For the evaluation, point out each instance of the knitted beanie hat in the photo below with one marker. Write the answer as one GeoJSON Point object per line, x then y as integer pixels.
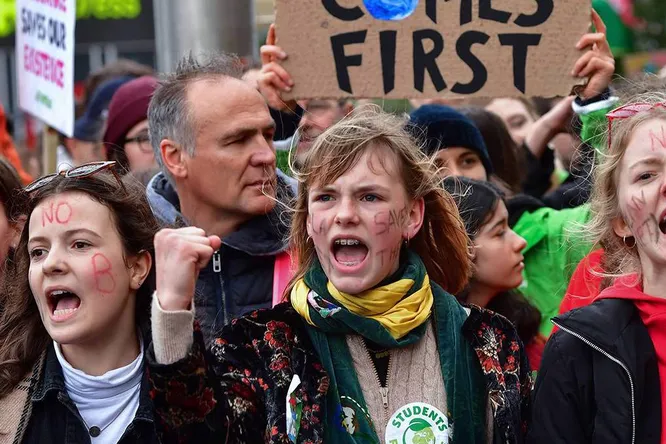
{"type": "Point", "coordinates": [439, 127]}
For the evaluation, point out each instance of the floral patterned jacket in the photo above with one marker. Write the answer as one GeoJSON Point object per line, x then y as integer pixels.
{"type": "Point", "coordinates": [236, 391]}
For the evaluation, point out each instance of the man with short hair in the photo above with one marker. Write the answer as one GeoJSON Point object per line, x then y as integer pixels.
{"type": "Point", "coordinates": [212, 136]}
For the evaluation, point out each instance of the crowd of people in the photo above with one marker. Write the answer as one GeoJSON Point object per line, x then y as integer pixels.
{"type": "Point", "coordinates": [212, 263]}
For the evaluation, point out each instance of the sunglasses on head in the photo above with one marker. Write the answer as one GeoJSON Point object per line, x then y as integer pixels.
{"type": "Point", "coordinates": [630, 110]}
{"type": "Point", "coordinates": [79, 172]}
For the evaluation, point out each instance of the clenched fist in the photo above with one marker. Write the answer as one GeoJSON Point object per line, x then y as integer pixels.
{"type": "Point", "coordinates": [179, 256]}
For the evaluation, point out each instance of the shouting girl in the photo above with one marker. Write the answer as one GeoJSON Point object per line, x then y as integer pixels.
{"type": "Point", "coordinates": [603, 375]}
{"type": "Point", "coordinates": [371, 346]}
{"type": "Point", "coordinates": [77, 306]}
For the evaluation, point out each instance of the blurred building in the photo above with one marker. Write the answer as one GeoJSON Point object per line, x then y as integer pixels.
{"type": "Point", "coordinates": [100, 41]}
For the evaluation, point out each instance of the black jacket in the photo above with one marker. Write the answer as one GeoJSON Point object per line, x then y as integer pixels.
{"type": "Point", "coordinates": [55, 419]}
{"type": "Point", "coordinates": [576, 189]}
{"type": "Point", "coordinates": [239, 278]}
{"type": "Point", "coordinates": [599, 380]}
{"type": "Point", "coordinates": [539, 172]}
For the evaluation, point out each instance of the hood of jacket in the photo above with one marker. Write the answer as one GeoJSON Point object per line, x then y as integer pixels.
{"type": "Point", "coordinates": [264, 235]}
{"type": "Point", "coordinates": [652, 309]}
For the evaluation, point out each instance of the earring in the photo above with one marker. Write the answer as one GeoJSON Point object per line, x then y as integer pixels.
{"type": "Point", "coordinates": [624, 240]}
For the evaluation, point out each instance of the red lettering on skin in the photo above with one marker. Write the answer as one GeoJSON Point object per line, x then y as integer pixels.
{"type": "Point", "coordinates": [637, 203]}
{"type": "Point", "coordinates": [654, 139]}
{"type": "Point", "coordinates": [104, 280]}
{"type": "Point", "coordinates": [60, 213]}
{"type": "Point", "coordinates": [382, 221]}
{"type": "Point", "coordinates": [386, 221]}
{"type": "Point", "coordinates": [322, 228]}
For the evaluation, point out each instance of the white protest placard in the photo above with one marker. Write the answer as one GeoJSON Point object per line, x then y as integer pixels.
{"type": "Point", "coordinates": [430, 48]}
{"type": "Point", "coordinates": [45, 60]}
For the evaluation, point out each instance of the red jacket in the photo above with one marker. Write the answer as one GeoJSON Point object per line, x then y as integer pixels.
{"type": "Point", "coordinates": [584, 285]}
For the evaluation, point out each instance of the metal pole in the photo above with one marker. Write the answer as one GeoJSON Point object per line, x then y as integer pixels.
{"type": "Point", "coordinates": [203, 26]}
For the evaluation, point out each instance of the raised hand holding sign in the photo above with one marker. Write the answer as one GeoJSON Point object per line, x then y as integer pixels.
{"type": "Point", "coordinates": [430, 48]}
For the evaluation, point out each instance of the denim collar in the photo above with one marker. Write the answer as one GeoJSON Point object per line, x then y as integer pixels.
{"type": "Point", "coordinates": [53, 381]}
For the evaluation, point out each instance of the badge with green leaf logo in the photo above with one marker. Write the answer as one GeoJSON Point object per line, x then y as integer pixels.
{"type": "Point", "coordinates": [418, 423]}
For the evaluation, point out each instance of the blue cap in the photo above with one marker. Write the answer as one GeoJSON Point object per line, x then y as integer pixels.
{"type": "Point", "coordinates": [89, 126]}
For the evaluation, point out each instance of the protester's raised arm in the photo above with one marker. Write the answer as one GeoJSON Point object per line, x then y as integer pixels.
{"type": "Point", "coordinates": [549, 125]}
{"type": "Point", "coordinates": [274, 79]}
{"type": "Point", "coordinates": [194, 393]}
{"type": "Point", "coordinates": [597, 65]}
{"type": "Point", "coordinates": [179, 256]}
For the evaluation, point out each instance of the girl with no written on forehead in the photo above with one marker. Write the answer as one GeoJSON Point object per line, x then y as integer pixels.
{"type": "Point", "coordinates": [74, 328]}
{"type": "Point", "coordinates": [370, 345]}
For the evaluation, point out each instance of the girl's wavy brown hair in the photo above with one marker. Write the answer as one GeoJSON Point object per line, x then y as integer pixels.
{"type": "Point", "coordinates": [23, 337]}
{"type": "Point", "coordinates": [442, 242]}
{"type": "Point", "coordinates": [619, 259]}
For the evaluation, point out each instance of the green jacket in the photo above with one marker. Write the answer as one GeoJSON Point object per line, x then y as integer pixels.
{"type": "Point", "coordinates": [555, 246]}
{"type": "Point", "coordinates": [555, 239]}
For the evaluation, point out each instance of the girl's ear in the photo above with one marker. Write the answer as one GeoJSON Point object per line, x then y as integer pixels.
{"type": "Point", "coordinates": [16, 230]}
{"type": "Point", "coordinates": [472, 252]}
{"type": "Point", "coordinates": [415, 219]}
{"type": "Point", "coordinates": [139, 269]}
{"type": "Point", "coordinates": [620, 227]}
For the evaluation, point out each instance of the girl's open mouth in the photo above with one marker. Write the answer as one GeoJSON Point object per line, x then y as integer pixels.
{"type": "Point", "coordinates": [349, 252]}
{"type": "Point", "coordinates": [62, 304]}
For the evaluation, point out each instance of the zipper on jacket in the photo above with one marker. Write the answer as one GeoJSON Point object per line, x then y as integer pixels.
{"type": "Point", "coordinates": [217, 268]}
{"type": "Point", "coordinates": [383, 390]}
{"type": "Point", "coordinates": [217, 262]}
{"type": "Point", "coordinates": [618, 362]}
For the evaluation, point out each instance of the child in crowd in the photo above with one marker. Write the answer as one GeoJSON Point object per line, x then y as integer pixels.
{"type": "Point", "coordinates": [603, 375]}
{"type": "Point", "coordinates": [497, 260]}
{"type": "Point", "coordinates": [371, 345]}
{"type": "Point", "coordinates": [76, 312]}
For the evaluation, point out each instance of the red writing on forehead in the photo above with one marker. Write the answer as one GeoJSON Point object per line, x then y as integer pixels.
{"type": "Point", "coordinates": [59, 213]}
{"type": "Point", "coordinates": [104, 280]}
{"type": "Point", "coordinates": [658, 140]}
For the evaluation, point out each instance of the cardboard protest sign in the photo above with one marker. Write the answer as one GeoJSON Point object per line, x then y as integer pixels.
{"type": "Point", "coordinates": [45, 60]}
{"type": "Point", "coordinates": [431, 48]}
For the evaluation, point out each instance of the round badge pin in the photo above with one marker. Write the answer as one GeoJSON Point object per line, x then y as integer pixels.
{"type": "Point", "coordinates": [418, 423]}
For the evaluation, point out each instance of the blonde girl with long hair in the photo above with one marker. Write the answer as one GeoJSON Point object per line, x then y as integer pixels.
{"type": "Point", "coordinates": [602, 375]}
{"type": "Point", "coordinates": [370, 346]}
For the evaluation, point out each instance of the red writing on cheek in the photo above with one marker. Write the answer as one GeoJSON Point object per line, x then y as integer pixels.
{"type": "Point", "coordinates": [656, 141]}
{"type": "Point", "coordinates": [59, 213]}
{"type": "Point", "coordinates": [637, 203]}
{"type": "Point", "coordinates": [318, 226]}
{"type": "Point", "coordinates": [387, 220]}
{"type": "Point", "coordinates": [104, 280]}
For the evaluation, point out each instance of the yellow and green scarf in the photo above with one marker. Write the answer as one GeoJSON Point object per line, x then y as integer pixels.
{"type": "Point", "coordinates": [392, 315]}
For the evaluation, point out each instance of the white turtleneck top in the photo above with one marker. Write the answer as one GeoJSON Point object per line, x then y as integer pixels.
{"type": "Point", "coordinates": [107, 403]}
